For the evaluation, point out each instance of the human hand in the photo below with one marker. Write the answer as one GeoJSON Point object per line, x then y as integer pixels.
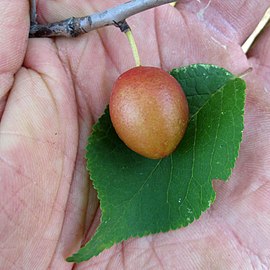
{"type": "Point", "coordinates": [61, 87]}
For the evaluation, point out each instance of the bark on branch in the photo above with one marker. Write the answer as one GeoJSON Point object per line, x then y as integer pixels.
{"type": "Point", "coordinates": [73, 27]}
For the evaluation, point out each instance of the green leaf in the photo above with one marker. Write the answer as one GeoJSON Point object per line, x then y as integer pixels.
{"type": "Point", "coordinates": [140, 196]}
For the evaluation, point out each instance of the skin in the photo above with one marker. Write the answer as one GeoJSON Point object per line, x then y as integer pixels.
{"type": "Point", "coordinates": [149, 111]}
{"type": "Point", "coordinates": [53, 90]}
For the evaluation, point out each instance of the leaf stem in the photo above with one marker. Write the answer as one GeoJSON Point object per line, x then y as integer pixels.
{"type": "Point", "coordinates": [245, 73]}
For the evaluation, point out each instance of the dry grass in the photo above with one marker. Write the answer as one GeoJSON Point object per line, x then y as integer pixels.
{"type": "Point", "coordinates": [261, 25]}
{"type": "Point", "coordinates": [173, 4]}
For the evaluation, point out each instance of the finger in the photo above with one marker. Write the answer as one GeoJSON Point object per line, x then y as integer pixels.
{"type": "Point", "coordinates": [250, 183]}
{"type": "Point", "coordinates": [38, 143]}
{"type": "Point", "coordinates": [162, 44]}
{"type": "Point", "coordinates": [14, 21]}
{"type": "Point", "coordinates": [251, 174]}
{"type": "Point", "coordinates": [236, 20]}
{"type": "Point", "coordinates": [52, 11]}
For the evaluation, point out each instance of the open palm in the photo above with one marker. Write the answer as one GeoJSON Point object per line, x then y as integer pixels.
{"type": "Point", "coordinates": [53, 90]}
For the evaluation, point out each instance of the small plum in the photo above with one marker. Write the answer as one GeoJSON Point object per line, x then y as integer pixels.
{"type": "Point", "coordinates": [149, 111]}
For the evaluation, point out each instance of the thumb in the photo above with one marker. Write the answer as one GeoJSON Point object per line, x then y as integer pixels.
{"type": "Point", "coordinates": [14, 21]}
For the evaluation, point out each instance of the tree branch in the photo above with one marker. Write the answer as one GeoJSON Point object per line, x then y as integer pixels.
{"type": "Point", "coordinates": [73, 27]}
{"type": "Point", "coordinates": [33, 12]}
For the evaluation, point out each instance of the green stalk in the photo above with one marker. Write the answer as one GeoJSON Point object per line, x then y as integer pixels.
{"type": "Point", "coordinates": [133, 46]}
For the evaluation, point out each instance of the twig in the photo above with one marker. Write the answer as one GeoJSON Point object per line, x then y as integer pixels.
{"type": "Point", "coordinates": [33, 13]}
{"type": "Point", "coordinates": [73, 27]}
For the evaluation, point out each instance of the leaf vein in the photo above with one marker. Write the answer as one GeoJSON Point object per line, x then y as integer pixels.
{"type": "Point", "coordinates": [144, 183]}
{"type": "Point", "coordinates": [215, 140]}
{"type": "Point", "coordinates": [193, 161]}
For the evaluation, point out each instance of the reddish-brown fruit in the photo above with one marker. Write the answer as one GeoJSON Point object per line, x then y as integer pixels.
{"type": "Point", "coordinates": [149, 111]}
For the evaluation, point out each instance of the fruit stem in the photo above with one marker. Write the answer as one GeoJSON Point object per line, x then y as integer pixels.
{"type": "Point", "coordinates": [133, 46]}
{"type": "Point", "coordinates": [125, 28]}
